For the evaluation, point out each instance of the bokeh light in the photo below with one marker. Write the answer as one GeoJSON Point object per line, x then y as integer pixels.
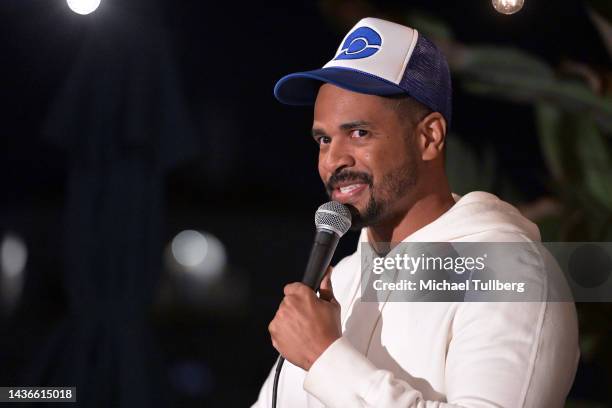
{"type": "Point", "coordinates": [198, 253]}
{"type": "Point", "coordinates": [508, 6]}
{"type": "Point", "coordinates": [13, 255]}
{"type": "Point", "coordinates": [13, 260]}
{"type": "Point", "coordinates": [83, 6]}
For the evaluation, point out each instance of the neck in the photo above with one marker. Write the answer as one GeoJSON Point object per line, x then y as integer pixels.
{"type": "Point", "coordinates": [426, 209]}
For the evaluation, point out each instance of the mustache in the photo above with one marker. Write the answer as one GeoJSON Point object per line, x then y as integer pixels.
{"type": "Point", "coordinates": [347, 175]}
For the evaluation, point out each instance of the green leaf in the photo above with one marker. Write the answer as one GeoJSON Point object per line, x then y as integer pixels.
{"type": "Point", "coordinates": [500, 64]}
{"type": "Point", "coordinates": [602, 19]}
{"type": "Point", "coordinates": [464, 169]}
{"type": "Point", "coordinates": [510, 74]}
{"type": "Point", "coordinates": [430, 26]}
{"type": "Point", "coordinates": [548, 120]}
{"type": "Point", "coordinates": [595, 160]}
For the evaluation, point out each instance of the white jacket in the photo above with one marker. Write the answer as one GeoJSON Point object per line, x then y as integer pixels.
{"type": "Point", "coordinates": [427, 354]}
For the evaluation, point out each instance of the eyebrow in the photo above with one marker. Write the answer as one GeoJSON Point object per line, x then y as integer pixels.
{"type": "Point", "coordinates": [345, 126]}
{"type": "Point", "coordinates": [318, 132]}
{"type": "Point", "coordinates": [356, 124]}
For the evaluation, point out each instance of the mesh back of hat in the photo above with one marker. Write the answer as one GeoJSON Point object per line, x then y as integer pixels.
{"type": "Point", "coordinates": [427, 78]}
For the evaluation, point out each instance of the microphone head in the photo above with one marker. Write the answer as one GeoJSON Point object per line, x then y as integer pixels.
{"type": "Point", "coordinates": [333, 216]}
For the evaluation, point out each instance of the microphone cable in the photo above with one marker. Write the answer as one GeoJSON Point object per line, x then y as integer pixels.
{"type": "Point", "coordinates": [279, 366]}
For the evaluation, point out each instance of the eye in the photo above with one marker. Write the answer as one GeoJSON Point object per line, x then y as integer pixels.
{"type": "Point", "coordinates": [323, 140]}
{"type": "Point", "coordinates": [359, 133]}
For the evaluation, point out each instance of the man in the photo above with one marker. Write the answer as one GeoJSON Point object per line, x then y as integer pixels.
{"type": "Point", "coordinates": [381, 114]}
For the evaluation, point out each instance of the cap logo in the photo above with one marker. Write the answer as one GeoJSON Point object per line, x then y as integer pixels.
{"type": "Point", "coordinates": [361, 43]}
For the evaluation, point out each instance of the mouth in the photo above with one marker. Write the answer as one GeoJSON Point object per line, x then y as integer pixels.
{"type": "Point", "coordinates": [348, 192]}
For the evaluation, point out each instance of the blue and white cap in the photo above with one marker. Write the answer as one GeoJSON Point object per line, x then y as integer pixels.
{"type": "Point", "coordinates": [382, 58]}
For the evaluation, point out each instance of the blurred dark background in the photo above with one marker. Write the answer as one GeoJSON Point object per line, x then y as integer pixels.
{"type": "Point", "coordinates": [156, 197]}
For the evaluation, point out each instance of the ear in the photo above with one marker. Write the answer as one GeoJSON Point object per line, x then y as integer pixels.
{"type": "Point", "coordinates": [431, 136]}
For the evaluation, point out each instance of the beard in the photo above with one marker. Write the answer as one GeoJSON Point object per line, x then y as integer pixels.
{"type": "Point", "coordinates": [393, 186]}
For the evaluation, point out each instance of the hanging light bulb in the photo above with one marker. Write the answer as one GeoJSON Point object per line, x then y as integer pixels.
{"type": "Point", "coordinates": [508, 6]}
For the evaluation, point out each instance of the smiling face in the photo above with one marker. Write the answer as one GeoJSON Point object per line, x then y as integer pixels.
{"type": "Point", "coordinates": [368, 158]}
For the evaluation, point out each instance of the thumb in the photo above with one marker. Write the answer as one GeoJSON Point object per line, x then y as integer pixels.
{"type": "Point", "coordinates": [326, 292]}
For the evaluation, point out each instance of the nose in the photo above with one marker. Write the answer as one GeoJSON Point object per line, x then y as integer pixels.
{"type": "Point", "coordinates": [337, 155]}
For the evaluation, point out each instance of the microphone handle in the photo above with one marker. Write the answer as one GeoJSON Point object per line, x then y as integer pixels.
{"type": "Point", "coordinates": [323, 247]}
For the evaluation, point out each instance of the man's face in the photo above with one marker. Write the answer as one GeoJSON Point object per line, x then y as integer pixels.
{"type": "Point", "coordinates": [366, 158]}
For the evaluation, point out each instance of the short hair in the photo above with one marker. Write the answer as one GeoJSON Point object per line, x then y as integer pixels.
{"type": "Point", "coordinates": [409, 110]}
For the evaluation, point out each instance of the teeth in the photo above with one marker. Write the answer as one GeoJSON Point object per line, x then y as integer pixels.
{"type": "Point", "coordinates": [348, 189]}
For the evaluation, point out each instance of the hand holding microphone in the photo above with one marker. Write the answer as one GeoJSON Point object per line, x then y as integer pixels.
{"type": "Point", "coordinates": [305, 325]}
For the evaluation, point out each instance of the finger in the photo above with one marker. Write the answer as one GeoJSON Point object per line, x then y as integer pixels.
{"type": "Point", "coordinates": [272, 328]}
{"type": "Point", "coordinates": [326, 281]}
{"type": "Point", "coordinates": [326, 291]}
{"type": "Point", "coordinates": [296, 288]}
{"type": "Point", "coordinates": [289, 301]}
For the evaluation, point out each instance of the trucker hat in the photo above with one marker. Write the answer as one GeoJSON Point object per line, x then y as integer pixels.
{"type": "Point", "coordinates": [382, 58]}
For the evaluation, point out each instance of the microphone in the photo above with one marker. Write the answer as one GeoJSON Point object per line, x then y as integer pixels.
{"type": "Point", "coordinates": [332, 221]}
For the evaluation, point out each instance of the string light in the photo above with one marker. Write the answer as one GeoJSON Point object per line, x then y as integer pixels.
{"type": "Point", "coordinates": [508, 6]}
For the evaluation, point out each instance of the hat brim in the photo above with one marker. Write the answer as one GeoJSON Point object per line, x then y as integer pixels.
{"type": "Point", "coordinates": [301, 88]}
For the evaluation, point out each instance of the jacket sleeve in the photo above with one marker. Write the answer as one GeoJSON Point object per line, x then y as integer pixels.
{"type": "Point", "coordinates": [500, 355]}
